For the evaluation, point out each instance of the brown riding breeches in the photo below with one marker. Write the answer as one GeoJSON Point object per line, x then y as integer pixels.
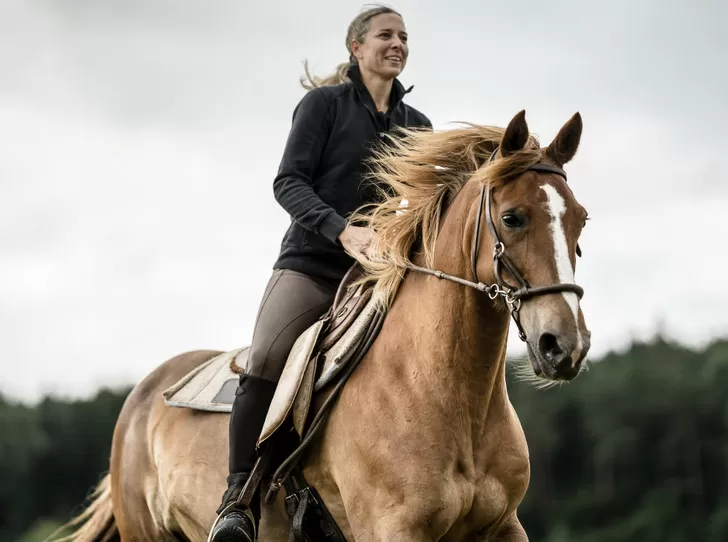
{"type": "Point", "coordinates": [292, 302]}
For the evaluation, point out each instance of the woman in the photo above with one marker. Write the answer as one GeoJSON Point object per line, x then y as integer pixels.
{"type": "Point", "coordinates": [319, 183]}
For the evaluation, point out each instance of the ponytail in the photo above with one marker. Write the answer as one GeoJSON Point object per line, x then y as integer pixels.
{"type": "Point", "coordinates": [310, 81]}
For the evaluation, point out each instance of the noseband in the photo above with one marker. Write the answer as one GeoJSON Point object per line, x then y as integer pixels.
{"type": "Point", "coordinates": [513, 296]}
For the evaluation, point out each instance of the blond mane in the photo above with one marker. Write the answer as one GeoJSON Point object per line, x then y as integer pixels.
{"type": "Point", "coordinates": [427, 169]}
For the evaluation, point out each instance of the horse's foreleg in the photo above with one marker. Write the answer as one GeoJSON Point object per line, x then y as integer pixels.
{"type": "Point", "coordinates": [393, 529]}
{"type": "Point", "coordinates": [394, 534]}
{"type": "Point", "coordinates": [511, 531]}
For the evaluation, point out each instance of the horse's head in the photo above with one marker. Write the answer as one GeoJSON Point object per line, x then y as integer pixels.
{"type": "Point", "coordinates": [516, 217]}
{"type": "Point", "coordinates": [526, 243]}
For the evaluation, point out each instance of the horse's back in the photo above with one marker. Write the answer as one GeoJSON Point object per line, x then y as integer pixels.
{"type": "Point", "coordinates": [153, 443]}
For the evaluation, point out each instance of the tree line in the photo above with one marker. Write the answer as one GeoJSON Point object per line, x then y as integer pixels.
{"type": "Point", "coordinates": [636, 449]}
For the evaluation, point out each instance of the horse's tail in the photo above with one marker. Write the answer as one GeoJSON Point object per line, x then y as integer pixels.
{"type": "Point", "coordinates": [96, 523]}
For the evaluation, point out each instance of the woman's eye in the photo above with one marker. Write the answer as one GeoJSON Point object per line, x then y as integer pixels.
{"type": "Point", "coordinates": [512, 220]}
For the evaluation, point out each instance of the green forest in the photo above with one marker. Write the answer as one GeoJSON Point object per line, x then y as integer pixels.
{"type": "Point", "coordinates": [635, 449]}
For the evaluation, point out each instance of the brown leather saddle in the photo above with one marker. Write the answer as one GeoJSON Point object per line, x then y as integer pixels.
{"type": "Point", "coordinates": [323, 354]}
{"type": "Point", "coordinates": [350, 300]}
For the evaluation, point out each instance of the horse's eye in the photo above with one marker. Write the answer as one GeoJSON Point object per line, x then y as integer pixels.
{"type": "Point", "coordinates": [512, 220]}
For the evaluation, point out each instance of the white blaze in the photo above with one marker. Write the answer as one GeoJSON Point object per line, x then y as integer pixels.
{"type": "Point", "coordinates": [557, 207]}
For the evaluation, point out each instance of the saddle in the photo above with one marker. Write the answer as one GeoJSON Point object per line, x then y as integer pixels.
{"type": "Point", "coordinates": [319, 355]}
{"type": "Point", "coordinates": [348, 303]}
{"type": "Point", "coordinates": [323, 351]}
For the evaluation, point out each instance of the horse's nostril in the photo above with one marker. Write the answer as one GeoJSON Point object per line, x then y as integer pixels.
{"type": "Point", "coordinates": [548, 346]}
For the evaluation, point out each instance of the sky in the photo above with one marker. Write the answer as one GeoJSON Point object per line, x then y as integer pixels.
{"type": "Point", "coordinates": [139, 140]}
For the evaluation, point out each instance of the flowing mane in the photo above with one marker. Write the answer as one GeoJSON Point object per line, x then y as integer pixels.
{"type": "Point", "coordinates": [419, 173]}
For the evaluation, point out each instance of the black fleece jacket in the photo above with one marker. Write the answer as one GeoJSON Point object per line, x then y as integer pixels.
{"type": "Point", "coordinates": [320, 178]}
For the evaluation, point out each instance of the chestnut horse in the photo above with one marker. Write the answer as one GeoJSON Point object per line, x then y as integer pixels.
{"type": "Point", "coordinates": [423, 443]}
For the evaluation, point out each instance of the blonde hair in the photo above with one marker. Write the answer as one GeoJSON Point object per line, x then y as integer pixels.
{"type": "Point", "coordinates": [357, 31]}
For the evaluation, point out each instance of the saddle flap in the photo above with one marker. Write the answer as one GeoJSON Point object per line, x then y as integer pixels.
{"type": "Point", "coordinates": [291, 379]}
{"type": "Point", "coordinates": [302, 402]}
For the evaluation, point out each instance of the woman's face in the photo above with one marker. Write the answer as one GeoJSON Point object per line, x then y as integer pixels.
{"type": "Point", "coordinates": [384, 50]}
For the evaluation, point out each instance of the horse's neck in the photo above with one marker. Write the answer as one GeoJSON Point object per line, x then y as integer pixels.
{"type": "Point", "coordinates": [457, 333]}
{"type": "Point", "coordinates": [460, 341]}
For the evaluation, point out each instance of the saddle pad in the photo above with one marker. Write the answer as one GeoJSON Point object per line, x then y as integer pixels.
{"type": "Point", "coordinates": [211, 386]}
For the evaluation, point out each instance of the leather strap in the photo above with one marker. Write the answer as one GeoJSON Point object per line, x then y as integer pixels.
{"type": "Point", "coordinates": [476, 237]}
{"type": "Point", "coordinates": [256, 475]}
{"type": "Point", "coordinates": [297, 534]}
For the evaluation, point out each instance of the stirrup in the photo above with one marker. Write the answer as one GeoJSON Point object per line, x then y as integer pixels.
{"type": "Point", "coordinates": [227, 509]}
{"type": "Point", "coordinates": [242, 502]}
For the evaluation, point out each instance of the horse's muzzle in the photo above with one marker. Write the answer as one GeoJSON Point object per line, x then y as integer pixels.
{"type": "Point", "coordinates": [558, 357]}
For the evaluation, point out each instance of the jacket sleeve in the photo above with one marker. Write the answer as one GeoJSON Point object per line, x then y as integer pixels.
{"type": "Point", "coordinates": [293, 186]}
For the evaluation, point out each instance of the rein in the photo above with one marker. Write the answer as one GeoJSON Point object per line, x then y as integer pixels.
{"type": "Point", "coordinates": [513, 296]}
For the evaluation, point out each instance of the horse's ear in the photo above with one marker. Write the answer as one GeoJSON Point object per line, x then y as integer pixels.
{"type": "Point", "coordinates": [563, 147]}
{"type": "Point", "coordinates": [516, 135]}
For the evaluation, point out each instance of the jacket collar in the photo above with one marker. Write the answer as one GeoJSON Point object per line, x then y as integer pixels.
{"type": "Point", "coordinates": [398, 90]}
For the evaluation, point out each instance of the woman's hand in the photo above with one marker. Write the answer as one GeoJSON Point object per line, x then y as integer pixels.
{"type": "Point", "coordinates": [358, 241]}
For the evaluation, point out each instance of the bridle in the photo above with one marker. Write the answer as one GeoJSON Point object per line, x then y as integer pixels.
{"type": "Point", "coordinates": [513, 296]}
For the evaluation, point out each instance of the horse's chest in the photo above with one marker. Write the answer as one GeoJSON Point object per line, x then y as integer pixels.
{"type": "Point", "coordinates": [500, 482]}
{"type": "Point", "coordinates": [494, 498]}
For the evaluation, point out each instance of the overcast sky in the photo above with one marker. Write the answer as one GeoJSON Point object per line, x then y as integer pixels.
{"type": "Point", "coordinates": [139, 140]}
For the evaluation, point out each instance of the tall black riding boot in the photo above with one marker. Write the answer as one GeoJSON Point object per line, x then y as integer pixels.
{"type": "Point", "coordinates": [250, 407]}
